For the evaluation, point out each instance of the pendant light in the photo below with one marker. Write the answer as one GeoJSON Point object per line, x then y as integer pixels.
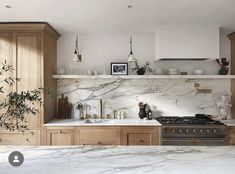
{"type": "Point", "coordinates": [77, 57]}
{"type": "Point", "coordinates": [131, 57]}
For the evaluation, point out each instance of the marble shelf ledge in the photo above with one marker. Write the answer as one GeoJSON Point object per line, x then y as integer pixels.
{"type": "Point", "coordinates": [144, 77]}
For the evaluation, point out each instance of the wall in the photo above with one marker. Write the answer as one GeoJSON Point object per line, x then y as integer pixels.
{"type": "Point", "coordinates": [166, 97]}
{"type": "Point", "coordinates": [98, 51]}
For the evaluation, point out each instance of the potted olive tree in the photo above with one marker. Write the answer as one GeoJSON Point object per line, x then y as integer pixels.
{"type": "Point", "coordinates": [15, 106]}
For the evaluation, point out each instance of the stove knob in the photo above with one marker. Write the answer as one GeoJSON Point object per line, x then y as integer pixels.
{"type": "Point", "coordinates": [173, 130]}
{"type": "Point", "coordinates": [200, 130]}
{"type": "Point", "coordinates": [187, 130]}
{"type": "Point", "coordinates": [214, 131]}
{"type": "Point", "coordinates": [194, 130]}
{"type": "Point", "coordinates": [180, 130]}
{"type": "Point", "coordinates": [208, 130]}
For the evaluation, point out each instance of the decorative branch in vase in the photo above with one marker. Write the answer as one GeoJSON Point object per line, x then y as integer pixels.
{"type": "Point", "coordinates": [14, 106]}
{"type": "Point", "coordinates": [223, 66]}
{"type": "Point", "coordinates": [142, 69]}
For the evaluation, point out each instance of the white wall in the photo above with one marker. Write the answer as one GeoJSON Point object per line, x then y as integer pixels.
{"type": "Point", "coordinates": [100, 50]}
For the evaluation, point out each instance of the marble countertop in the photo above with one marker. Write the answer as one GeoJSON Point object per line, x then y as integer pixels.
{"type": "Point", "coordinates": [228, 122]}
{"type": "Point", "coordinates": [121, 160]}
{"type": "Point", "coordinates": [103, 122]}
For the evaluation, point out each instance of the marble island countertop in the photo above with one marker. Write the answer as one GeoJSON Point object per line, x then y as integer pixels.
{"type": "Point", "coordinates": [103, 122]}
{"type": "Point", "coordinates": [123, 160]}
{"type": "Point", "coordinates": [228, 122]}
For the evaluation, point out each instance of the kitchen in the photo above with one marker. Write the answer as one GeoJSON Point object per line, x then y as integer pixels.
{"type": "Point", "coordinates": [113, 84]}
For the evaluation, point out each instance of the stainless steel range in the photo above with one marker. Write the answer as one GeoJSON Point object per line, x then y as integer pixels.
{"type": "Point", "coordinates": [198, 130]}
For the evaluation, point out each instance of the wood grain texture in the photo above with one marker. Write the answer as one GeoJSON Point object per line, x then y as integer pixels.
{"type": "Point", "coordinates": [98, 136]}
{"type": "Point", "coordinates": [140, 135]}
{"type": "Point", "coordinates": [28, 69]}
{"type": "Point", "coordinates": [230, 135]}
{"type": "Point", "coordinates": [232, 39]}
{"type": "Point", "coordinates": [59, 136]}
{"type": "Point", "coordinates": [18, 138]}
{"type": "Point", "coordinates": [31, 48]}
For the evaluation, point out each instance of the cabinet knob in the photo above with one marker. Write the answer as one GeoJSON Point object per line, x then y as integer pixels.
{"type": "Point", "coordinates": [140, 140]}
{"type": "Point", "coordinates": [60, 131]}
{"type": "Point", "coordinates": [0, 140]}
{"type": "Point", "coordinates": [27, 140]}
{"type": "Point", "coordinates": [100, 143]}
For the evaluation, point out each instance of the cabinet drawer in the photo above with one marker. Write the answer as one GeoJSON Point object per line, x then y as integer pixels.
{"type": "Point", "coordinates": [59, 136]}
{"type": "Point", "coordinates": [98, 136]}
{"type": "Point", "coordinates": [139, 139]}
{"type": "Point", "coordinates": [140, 135]}
{"type": "Point", "coordinates": [18, 138]}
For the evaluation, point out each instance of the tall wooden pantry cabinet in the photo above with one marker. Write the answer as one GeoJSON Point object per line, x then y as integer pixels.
{"type": "Point", "coordinates": [31, 49]}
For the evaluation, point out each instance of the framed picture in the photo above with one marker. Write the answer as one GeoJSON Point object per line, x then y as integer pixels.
{"type": "Point", "coordinates": [118, 68]}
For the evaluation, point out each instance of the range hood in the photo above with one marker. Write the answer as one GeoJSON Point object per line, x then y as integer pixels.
{"type": "Point", "coordinates": [185, 59]}
{"type": "Point", "coordinates": [187, 42]}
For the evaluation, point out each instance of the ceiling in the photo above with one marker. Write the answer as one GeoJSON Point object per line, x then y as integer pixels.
{"type": "Point", "coordinates": [113, 16]}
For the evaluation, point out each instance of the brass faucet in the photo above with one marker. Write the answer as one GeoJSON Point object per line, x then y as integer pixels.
{"type": "Point", "coordinates": [101, 108]}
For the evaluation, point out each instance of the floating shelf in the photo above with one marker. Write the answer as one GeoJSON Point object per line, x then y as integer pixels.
{"type": "Point", "coordinates": [144, 77]}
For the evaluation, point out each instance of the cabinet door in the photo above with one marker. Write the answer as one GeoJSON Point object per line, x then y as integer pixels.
{"type": "Point", "coordinates": [140, 136]}
{"type": "Point", "coordinates": [6, 54]}
{"type": "Point", "coordinates": [19, 138]}
{"type": "Point", "coordinates": [29, 68]}
{"type": "Point", "coordinates": [230, 135]}
{"type": "Point", "coordinates": [98, 136]}
{"type": "Point", "coordinates": [59, 136]}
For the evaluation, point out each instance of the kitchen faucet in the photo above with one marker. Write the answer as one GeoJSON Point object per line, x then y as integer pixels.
{"type": "Point", "coordinates": [101, 108]}
{"type": "Point", "coordinates": [86, 110]}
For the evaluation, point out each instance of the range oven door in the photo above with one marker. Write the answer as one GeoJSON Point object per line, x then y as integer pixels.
{"type": "Point", "coordinates": [193, 141]}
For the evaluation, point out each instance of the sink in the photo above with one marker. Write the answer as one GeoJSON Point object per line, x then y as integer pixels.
{"type": "Point", "coordinates": [97, 121]}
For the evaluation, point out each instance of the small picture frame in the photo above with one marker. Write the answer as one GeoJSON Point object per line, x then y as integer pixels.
{"type": "Point", "coordinates": [119, 68]}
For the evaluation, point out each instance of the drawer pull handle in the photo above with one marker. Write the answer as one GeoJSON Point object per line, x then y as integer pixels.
{"type": "Point", "coordinates": [141, 141]}
{"type": "Point", "coordinates": [100, 143]}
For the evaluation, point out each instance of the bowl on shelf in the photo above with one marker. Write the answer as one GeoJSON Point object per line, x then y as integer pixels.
{"type": "Point", "coordinates": [173, 72]}
{"type": "Point", "coordinates": [198, 72]}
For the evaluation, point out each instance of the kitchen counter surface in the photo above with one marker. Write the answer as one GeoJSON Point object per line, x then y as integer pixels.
{"type": "Point", "coordinates": [123, 160]}
{"type": "Point", "coordinates": [103, 122]}
{"type": "Point", "coordinates": [228, 122]}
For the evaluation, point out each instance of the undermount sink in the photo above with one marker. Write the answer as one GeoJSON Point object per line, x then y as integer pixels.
{"type": "Point", "coordinates": [97, 121]}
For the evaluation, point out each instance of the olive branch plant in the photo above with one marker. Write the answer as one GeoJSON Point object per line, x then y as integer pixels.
{"type": "Point", "coordinates": [15, 106]}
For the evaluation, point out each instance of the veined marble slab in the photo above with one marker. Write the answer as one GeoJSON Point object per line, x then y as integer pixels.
{"type": "Point", "coordinates": [166, 97]}
{"type": "Point", "coordinates": [103, 122]}
{"type": "Point", "coordinates": [228, 122]}
{"type": "Point", "coordinates": [121, 160]}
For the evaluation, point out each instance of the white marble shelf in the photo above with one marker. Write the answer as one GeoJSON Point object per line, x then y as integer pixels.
{"type": "Point", "coordinates": [144, 77]}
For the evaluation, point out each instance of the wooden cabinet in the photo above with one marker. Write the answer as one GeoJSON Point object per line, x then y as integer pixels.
{"type": "Point", "coordinates": [232, 39]}
{"type": "Point", "coordinates": [140, 136]}
{"type": "Point", "coordinates": [31, 49]}
{"type": "Point", "coordinates": [18, 138]}
{"type": "Point", "coordinates": [230, 135]}
{"type": "Point", "coordinates": [98, 136]}
{"type": "Point", "coordinates": [102, 135]}
{"type": "Point", "coordinates": [60, 136]}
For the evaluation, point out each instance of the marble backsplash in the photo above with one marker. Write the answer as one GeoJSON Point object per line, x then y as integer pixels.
{"type": "Point", "coordinates": [167, 97]}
